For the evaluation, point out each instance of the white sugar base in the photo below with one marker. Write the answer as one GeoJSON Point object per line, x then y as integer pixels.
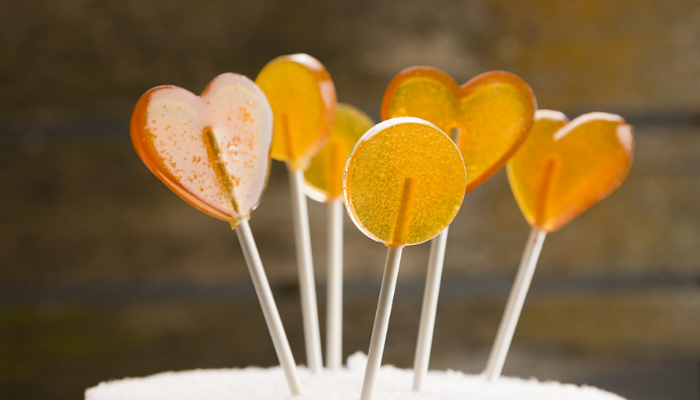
{"type": "Point", "coordinates": [392, 384]}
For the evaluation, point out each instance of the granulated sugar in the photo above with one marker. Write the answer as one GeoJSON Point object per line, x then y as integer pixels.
{"type": "Point", "coordinates": [392, 384]}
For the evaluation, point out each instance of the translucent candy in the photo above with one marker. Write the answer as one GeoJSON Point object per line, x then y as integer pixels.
{"type": "Point", "coordinates": [324, 177]}
{"type": "Point", "coordinates": [494, 111]}
{"type": "Point", "coordinates": [212, 150]}
{"type": "Point", "coordinates": [404, 182]}
{"type": "Point", "coordinates": [565, 167]}
{"type": "Point", "coordinates": [302, 96]}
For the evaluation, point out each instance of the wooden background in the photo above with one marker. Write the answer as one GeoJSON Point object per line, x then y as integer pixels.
{"type": "Point", "coordinates": [104, 273]}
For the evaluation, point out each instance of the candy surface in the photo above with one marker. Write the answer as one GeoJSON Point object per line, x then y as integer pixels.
{"type": "Point", "coordinates": [302, 96]}
{"type": "Point", "coordinates": [404, 182]}
{"type": "Point", "coordinates": [494, 111]}
{"type": "Point", "coordinates": [565, 167]}
{"type": "Point", "coordinates": [212, 150]}
{"type": "Point", "coordinates": [324, 177]}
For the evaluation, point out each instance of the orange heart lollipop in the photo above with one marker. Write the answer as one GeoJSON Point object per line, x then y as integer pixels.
{"type": "Point", "coordinates": [494, 111]}
{"type": "Point", "coordinates": [211, 150]}
{"type": "Point", "coordinates": [302, 96]}
{"type": "Point", "coordinates": [564, 168]}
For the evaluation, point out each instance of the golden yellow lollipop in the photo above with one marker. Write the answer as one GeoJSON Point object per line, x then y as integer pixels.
{"type": "Point", "coordinates": [562, 169]}
{"type": "Point", "coordinates": [565, 167]}
{"type": "Point", "coordinates": [489, 117]}
{"type": "Point", "coordinates": [494, 111]}
{"type": "Point", "coordinates": [404, 183]}
{"type": "Point", "coordinates": [302, 97]}
{"type": "Point", "coordinates": [324, 177]}
{"type": "Point", "coordinates": [324, 183]}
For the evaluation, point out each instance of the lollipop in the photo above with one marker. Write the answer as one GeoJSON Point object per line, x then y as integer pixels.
{"type": "Point", "coordinates": [324, 182]}
{"type": "Point", "coordinates": [561, 170]}
{"type": "Point", "coordinates": [302, 97]}
{"type": "Point", "coordinates": [213, 151]}
{"type": "Point", "coordinates": [489, 117]}
{"type": "Point", "coordinates": [404, 183]}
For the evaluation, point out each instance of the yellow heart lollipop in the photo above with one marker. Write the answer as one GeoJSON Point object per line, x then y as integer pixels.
{"type": "Point", "coordinates": [494, 112]}
{"type": "Point", "coordinates": [564, 168]}
{"type": "Point", "coordinates": [489, 117]}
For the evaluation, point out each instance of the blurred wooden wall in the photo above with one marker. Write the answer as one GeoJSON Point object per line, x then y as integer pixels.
{"type": "Point", "coordinates": [104, 273]}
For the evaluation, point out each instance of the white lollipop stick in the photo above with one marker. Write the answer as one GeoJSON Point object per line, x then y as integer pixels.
{"type": "Point", "coordinates": [429, 309]}
{"type": "Point", "coordinates": [267, 303]}
{"type": "Point", "coordinates": [381, 322]}
{"type": "Point", "coordinates": [334, 314]}
{"type": "Point", "coordinates": [386, 294]}
{"type": "Point", "coordinates": [515, 304]}
{"type": "Point", "coordinates": [307, 284]}
{"type": "Point", "coordinates": [430, 300]}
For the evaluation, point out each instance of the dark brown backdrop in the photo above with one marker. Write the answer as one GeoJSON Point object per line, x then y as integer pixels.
{"type": "Point", "coordinates": [105, 274]}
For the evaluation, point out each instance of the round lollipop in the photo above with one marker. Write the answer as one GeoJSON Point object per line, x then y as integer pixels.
{"type": "Point", "coordinates": [324, 182]}
{"type": "Point", "coordinates": [213, 151]}
{"type": "Point", "coordinates": [489, 117]}
{"type": "Point", "coordinates": [324, 176]}
{"type": "Point", "coordinates": [404, 183]}
{"type": "Point", "coordinates": [302, 97]}
{"type": "Point", "coordinates": [561, 170]}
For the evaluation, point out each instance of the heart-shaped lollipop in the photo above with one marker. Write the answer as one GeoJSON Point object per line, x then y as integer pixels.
{"type": "Point", "coordinates": [565, 167]}
{"type": "Point", "coordinates": [495, 112]}
{"type": "Point", "coordinates": [212, 150]}
{"type": "Point", "coordinates": [562, 169]}
{"type": "Point", "coordinates": [489, 117]}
